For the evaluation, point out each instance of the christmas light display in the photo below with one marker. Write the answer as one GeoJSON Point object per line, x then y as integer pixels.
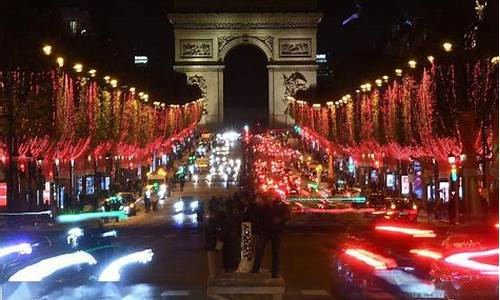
{"type": "Point", "coordinates": [403, 118]}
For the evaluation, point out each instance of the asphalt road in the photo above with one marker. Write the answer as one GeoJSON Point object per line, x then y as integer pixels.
{"type": "Point", "coordinates": [179, 268]}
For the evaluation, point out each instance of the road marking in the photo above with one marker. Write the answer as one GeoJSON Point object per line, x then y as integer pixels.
{"type": "Point", "coordinates": [171, 293]}
{"type": "Point", "coordinates": [315, 293]}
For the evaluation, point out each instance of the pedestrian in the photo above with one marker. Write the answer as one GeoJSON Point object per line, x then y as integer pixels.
{"type": "Point", "coordinates": [147, 202]}
{"type": "Point", "coordinates": [181, 183]}
{"type": "Point", "coordinates": [213, 243]}
{"type": "Point", "coordinates": [270, 215]}
{"type": "Point", "coordinates": [200, 211]}
{"type": "Point", "coordinates": [154, 200]}
{"type": "Point", "coordinates": [231, 239]}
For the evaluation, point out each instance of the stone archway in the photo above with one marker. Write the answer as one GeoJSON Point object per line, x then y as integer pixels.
{"type": "Point", "coordinates": [246, 64]}
{"type": "Point", "coordinates": [202, 41]}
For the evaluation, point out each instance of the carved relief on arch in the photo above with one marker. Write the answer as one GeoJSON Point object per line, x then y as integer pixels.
{"type": "Point", "coordinates": [199, 81]}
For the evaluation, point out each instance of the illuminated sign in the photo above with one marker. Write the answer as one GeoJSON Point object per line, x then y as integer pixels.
{"type": "Point", "coordinates": [140, 60]}
{"type": "Point", "coordinates": [390, 178]}
{"type": "Point", "coordinates": [321, 58]}
{"type": "Point", "coordinates": [405, 185]}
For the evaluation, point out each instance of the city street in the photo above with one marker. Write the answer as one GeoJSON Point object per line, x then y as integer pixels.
{"type": "Point", "coordinates": [240, 150]}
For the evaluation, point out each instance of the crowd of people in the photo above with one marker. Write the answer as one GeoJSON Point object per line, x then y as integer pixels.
{"type": "Point", "coordinates": [267, 214]}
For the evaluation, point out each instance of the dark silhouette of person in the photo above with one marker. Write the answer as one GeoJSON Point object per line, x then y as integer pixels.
{"type": "Point", "coordinates": [270, 215]}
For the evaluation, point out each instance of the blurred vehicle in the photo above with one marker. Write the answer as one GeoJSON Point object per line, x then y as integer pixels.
{"type": "Point", "coordinates": [202, 164]}
{"type": "Point", "coordinates": [157, 183]}
{"type": "Point", "coordinates": [403, 261]}
{"type": "Point", "coordinates": [376, 200]}
{"type": "Point", "coordinates": [122, 201]}
{"type": "Point", "coordinates": [187, 205]}
{"type": "Point", "coordinates": [293, 187]}
{"type": "Point", "coordinates": [392, 208]}
{"type": "Point", "coordinates": [129, 202]}
{"type": "Point", "coordinates": [296, 206]}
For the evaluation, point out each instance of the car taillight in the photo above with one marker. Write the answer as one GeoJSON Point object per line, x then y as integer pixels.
{"type": "Point", "coordinates": [427, 253]}
{"type": "Point", "coordinates": [374, 260]}
{"type": "Point", "coordinates": [415, 232]}
{"type": "Point", "coordinates": [465, 260]}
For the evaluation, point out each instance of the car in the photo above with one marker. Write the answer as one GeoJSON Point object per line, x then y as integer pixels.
{"type": "Point", "coordinates": [186, 204]}
{"type": "Point", "coordinates": [404, 261]}
{"type": "Point", "coordinates": [390, 208]}
{"type": "Point", "coordinates": [129, 202]}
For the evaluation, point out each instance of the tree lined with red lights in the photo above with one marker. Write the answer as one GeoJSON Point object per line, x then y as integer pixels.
{"type": "Point", "coordinates": [71, 119]}
{"type": "Point", "coordinates": [413, 115]}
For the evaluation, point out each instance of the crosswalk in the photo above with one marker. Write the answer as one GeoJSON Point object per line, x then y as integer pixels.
{"type": "Point", "coordinates": [299, 294]}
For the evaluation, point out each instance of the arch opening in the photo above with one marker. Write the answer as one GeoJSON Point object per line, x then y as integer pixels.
{"type": "Point", "coordinates": [246, 86]}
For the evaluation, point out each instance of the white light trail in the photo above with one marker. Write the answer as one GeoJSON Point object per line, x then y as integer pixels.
{"type": "Point", "coordinates": [46, 267]}
{"type": "Point", "coordinates": [73, 235]}
{"type": "Point", "coordinates": [112, 271]}
{"type": "Point", "coordinates": [23, 248]}
{"type": "Point", "coordinates": [112, 233]}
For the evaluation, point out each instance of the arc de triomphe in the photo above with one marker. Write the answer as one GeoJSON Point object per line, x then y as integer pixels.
{"type": "Point", "coordinates": [202, 41]}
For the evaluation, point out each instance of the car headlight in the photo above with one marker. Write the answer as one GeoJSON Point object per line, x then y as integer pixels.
{"type": "Point", "coordinates": [393, 206]}
{"type": "Point", "coordinates": [414, 206]}
{"type": "Point", "coordinates": [194, 205]}
{"type": "Point", "coordinates": [178, 206]}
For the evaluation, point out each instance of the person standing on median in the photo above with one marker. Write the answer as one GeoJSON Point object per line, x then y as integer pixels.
{"type": "Point", "coordinates": [270, 215]}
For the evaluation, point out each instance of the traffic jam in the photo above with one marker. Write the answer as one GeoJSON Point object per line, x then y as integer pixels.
{"type": "Point", "coordinates": [391, 255]}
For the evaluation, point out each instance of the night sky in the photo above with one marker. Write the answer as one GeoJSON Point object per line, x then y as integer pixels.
{"type": "Point", "coordinates": [384, 33]}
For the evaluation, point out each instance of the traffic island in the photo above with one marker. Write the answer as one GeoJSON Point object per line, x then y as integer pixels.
{"type": "Point", "coordinates": [245, 286]}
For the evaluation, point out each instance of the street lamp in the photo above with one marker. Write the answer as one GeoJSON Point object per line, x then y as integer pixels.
{"type": "Point", "coordinates": [385, 78]}
{"type": "Point", "coordinates": [430, 58]}
{"type": "Point", "coordinates": [378, 82]}
{"type": "Point", "coordinates": [47, 49]}
{"type": "Point", "coordinates": [398, 72]}
{"type": "Point", "coordinates": [56, 182]}
{"type": "Point", "coordinates": [107, 78]}
{"type": "Point", "coordinates": [92, 72]}
{"type": "Point", "coordinates": [447, 46]}
{"type": "Point", "coordinates": [78, 67]}
{"type": "Point", "coordinates": [60, 61]}
{"type": "Point", "coordinates": [451, 158]}
{"type": "Point", "coordinates": [113, 82]}
{"type": "Point", "coordinates": [132, 89]}
{"type": "Point", "coordinates": [412, 63]}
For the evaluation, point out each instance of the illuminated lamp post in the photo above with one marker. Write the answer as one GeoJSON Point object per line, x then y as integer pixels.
{"type": "Point", "coordinates": [71, 182]}
{"type": "Point", "coordinates": [39, 179]}
{"type": "Point", "coordinates": [56, 182]}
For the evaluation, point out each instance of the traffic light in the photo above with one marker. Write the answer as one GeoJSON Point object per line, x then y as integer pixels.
{"type": "Point", "coordinates": [454, 175]}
